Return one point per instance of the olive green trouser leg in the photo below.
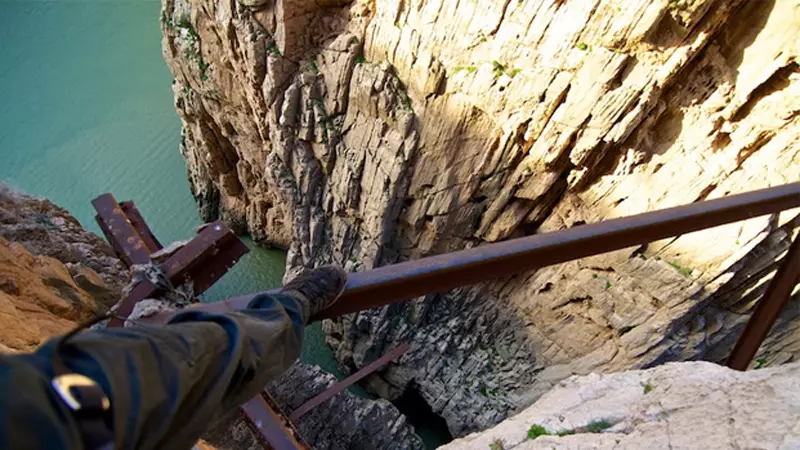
(167, 384)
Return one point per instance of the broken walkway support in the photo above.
(767, 309)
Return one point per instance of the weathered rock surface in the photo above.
(674, 406)
(39, 299)
(45, 229)
(369, 132)
(343, 422)
(53, 273)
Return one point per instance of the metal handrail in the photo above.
(398, 282)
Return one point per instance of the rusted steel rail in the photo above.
(403, 281)
(767, 309)
(347, 382)
(410, 279)
(406, 280)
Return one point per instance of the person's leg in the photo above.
(168, 383)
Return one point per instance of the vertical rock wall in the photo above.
(367, 132)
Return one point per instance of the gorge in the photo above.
(365, 133)
(369, 132)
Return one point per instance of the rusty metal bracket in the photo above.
(269, 425)
(136, 219)
(119, 231)
(767, 309)
(215, 243)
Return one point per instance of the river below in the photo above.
(86, 108)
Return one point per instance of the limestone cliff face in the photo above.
(369, 132)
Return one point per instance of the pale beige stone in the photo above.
(674, 406)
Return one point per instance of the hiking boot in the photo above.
(319, 288)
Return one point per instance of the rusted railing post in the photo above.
(767, 309)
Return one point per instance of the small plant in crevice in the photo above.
(203, 66)
(537, 430)
(527, 170)
(323, 120)
(500, 69)
(407, 103)
(486, 391)
(760, 363)
(165, 20)
(497, 444)
(190, 44)
(184, 23)
(677, 5)
(360, 59)
(608, 284)
(273, 49)
(682, 270)
(468, 69)
(582, 46)
(598, 426)
(314, 67)
(647, 387)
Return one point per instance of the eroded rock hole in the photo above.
(431, 427)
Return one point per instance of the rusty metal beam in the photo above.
(193, 258)
(767, 309)
(410, 279)
(214, 268)
(119, 231)
(269, 425)
(347, 382)
(138, 222)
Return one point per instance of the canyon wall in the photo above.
(368, 132)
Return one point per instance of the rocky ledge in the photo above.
(674, 406)
(53, 273)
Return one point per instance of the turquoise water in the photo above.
(86, 108)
